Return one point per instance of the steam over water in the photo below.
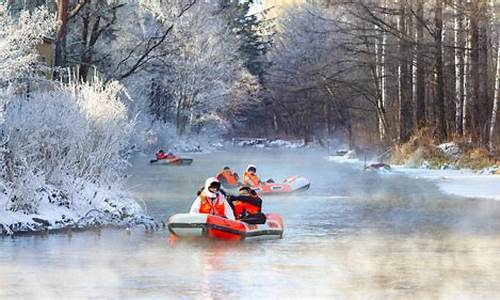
(353, 235)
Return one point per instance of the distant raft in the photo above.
(289, 185)
(215, 227)
(175, 161)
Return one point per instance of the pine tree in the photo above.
(254, 32)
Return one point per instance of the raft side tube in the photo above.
(203, 225)
(289, 185)
(187, 224)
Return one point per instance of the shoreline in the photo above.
(459, 182)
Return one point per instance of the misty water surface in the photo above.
(353, 235)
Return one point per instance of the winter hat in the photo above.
(211, 182)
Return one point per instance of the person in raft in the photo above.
(212, 200)
(228, 178)
(250, 177)
(162, 155)
(247, 206)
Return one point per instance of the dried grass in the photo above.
(422, 148)
(477, 158)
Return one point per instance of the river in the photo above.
(354, 235)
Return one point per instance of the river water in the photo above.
(353, 235)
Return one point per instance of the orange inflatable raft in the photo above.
(215, 227)
(176, 161)
(289, 185)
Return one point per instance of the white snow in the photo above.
(462, 182)
(348, 157)
(458, 182)
(267, 143)
(451, 149)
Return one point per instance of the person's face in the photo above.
(214, 188)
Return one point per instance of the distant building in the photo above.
(46, 51)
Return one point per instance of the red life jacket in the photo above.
(241, 207)
(163, 155)
(160, 156)
(250, 179)
(227, 176)
(208, 207)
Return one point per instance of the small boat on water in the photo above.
(215, 227)
(289, 185)
(175, 161)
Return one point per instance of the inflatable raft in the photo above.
(289, 185)
(214, 227)
(176, 161)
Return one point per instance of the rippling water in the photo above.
(353, 235)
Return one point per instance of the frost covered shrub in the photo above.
(63, 134)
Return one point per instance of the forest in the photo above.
(381, 71)
(83, 83)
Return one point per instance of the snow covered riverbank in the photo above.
(65, 167)
(458, 182)
(84, 208)
(463, 182)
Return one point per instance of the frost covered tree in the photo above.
(62, 148)
(192, 67)
(18, 41)
(305, 74)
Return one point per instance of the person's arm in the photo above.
(195, 208)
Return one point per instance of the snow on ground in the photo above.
(86, 207)
(463, 182)
(458, 182)
(267, 143)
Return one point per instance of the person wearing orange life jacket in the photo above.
(212, 201)
(250, 178)
(247, 206)
(162, 155)
(228, 178)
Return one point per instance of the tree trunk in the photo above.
(479, 72)
(62, 18)
(440, 101)
(496, 101)
(379, 80)
(459, 69)
(466, 83)
(405, 90)
(420, 64)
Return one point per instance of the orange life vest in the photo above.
(208, 207)
(250, 179)
(160, 156)
(229, 177)
(240, 207)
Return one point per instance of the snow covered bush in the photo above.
(63, 155)
(75, 130)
